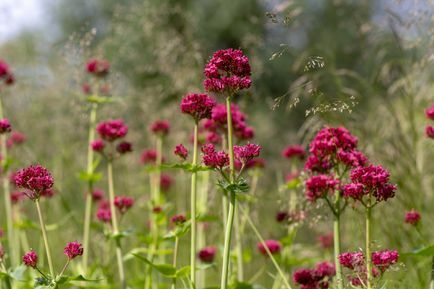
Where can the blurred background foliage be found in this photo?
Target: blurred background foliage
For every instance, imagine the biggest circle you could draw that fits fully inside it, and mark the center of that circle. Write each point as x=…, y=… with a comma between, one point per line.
x=367, y=65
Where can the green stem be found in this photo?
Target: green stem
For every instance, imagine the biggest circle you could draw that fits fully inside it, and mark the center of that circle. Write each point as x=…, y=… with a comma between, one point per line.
x=175, y=257
x=89, y=199
x=368, y=247
x=232, y=200
x=337, y=239
x=44, y=236
x=64, y=268
x=239, y=248
x=115, y=225
x=193, y=208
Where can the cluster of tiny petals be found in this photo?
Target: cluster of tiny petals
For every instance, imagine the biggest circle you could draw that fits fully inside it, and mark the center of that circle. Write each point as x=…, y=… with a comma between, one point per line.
x=148, y=156
x=429, y=131
x=326, y=241
x=5, y=73
x=319, y=186
x=246, y=152
x=123, y=203
x=98, y=67
x=227, y=71
x=97, y=145
x=5, y=126
x=112, y=130
x=124, y=147
x=198, y=105
x=294, y=151
x=16, y=138
x=384, y=259
x=17, y=197
x=160, y=127
x=30, y=259
x=352, y=260
x=273, y=246
x=73, y=249
x=34, y=178
x=178, y=219
x=213, y=158
x=412, y=217
x=429, y=112
x=207, y=254
x=166, y=182
x=317, y=278
x=97, y=194
x=103, y=213
x=181, y=151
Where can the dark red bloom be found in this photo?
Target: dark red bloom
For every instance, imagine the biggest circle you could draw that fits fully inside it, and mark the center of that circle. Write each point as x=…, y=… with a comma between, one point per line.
x=35, y=179
x=5, y=126
x=213, y=158
x=49, y=193
x=352, y=260
x=16, y=138
x=97, y=194
x=160, y=127
x=157, y=209
x=5, y=73
x=320, y=186
x=124, y=147
x=112, y=130
x=178, y=219
x=17, y=196
x=294, y=151
x=30, y=259
x=282, y=216
x=181, y=151
x=198, y=105
x=98, y=67
x=166, y=182
x=73, y=250
x=98, y=145
x=123, y=203
x=246, y=152
x=429, y=112
x=305, y=278
x=86, y=88
x=429, y=131
x=384, y=259
x=149, y=157
x=104, y=214
x=412, y=217
x=326, y=241
x=207, y=254
x=273, y=246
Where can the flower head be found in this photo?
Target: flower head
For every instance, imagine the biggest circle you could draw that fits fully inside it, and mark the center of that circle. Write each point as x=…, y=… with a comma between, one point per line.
x=326, y=241
x=124, y=147
x=35, y=179
x=227, y=72
x=246, y=152
x=148, y=156
x=166, y=182
x=5, y=126
x=97, y=194
x=213, y=158
x=181, y=151
x=17, y=197
x=412, y=217
x=160, y=127
x=273, y=246
x=16, y=138
x=352, y=260
x=324, y=269
x=103, y=213
x=384, y=259
x=282, y=216
x=207, y=254
x=48, y=193
x=112, y=130
x=429, y=131
x=294, y=151
x=429, y=112
x=98, y=67
x=123, y=203
x=30, y=259
x=198, y=105
x=320, y=186
x=97, y=145
x=178, y=219
x=5, y=73
x=73, y=250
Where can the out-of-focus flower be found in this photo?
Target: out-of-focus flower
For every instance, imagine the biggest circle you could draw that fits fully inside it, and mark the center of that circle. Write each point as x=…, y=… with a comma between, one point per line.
x=2, y=253
x=429, y=131
x=282, y=216
x=429, y=112
x=112, y=130
x=160, y=127
x=97, y=194
x=326, y=241
x=178, y=219
x=273, y=246
x=124, y=147
x=123, y=203
x=148, y=156
x=17, y=197
x=157, y=209
x=73, y=250
x=412, y=217
x=207, y=254
x=103, y=213
x=16, y=138
x=35, y=179
x=98, y=145
x=49, y=193
x=181, y=151
x=166, y=182
x=86, y=88
x=294, y=151
x=198, y=105
x=5, y=73
x=384, y=259
x=5, y=126
x=98, y=67
x=30, y=259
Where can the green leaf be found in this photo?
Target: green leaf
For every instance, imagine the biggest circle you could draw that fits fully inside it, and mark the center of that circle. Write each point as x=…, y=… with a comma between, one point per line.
x=240, y=186
x=166, y=270
x=292, y=184
x=179, y=231
x=183, y=272
x=427, y=251
x=89, y=177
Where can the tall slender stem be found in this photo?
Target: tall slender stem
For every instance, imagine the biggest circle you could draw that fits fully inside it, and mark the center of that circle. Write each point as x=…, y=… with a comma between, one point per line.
x=193, y=208
x=239, y=248
x=232, y=200
x=115, y=225
x=89, y=199
x=175, y=257
x=337, y=242
x=368, y=247
x=44, y=236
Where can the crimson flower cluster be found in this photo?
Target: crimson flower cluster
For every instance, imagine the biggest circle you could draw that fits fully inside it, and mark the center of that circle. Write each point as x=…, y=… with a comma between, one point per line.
x=320, y=186
x=30, y=259
x=246, y=153
x=103, y=213
x=412, y=217
x=111, y=131
x=214, y=159
x=207, y=254
x=97, y=195
x=149, y=156
x=16, y=138
x=429, y=130
x=5, y=73
x=198, y=105
x=73, y=250
x=181, y=151
x=123, y=203
x=317, y=278
x=326, y=241
x=228, y=71
x=355, y=261
x=178, y=219
x=166, y=182
x=35, y=179
x=294, y=151
x=160, y=127
x=273, y=246
x=5, y=126
x=98, y=67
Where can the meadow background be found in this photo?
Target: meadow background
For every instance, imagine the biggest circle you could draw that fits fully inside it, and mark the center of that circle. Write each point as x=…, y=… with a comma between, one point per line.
x=367, y=65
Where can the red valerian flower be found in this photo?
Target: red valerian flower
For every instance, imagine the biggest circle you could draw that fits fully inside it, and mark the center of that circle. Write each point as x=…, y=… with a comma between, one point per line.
x=352, y=260
x=73, y=250
x=326, y=241
x=353, y=190
x=166, y=182
x=98, y=145
x=305, y=278
x=198, y=105
x=148, y=156
x=246, y=152
x=429, y=112
x=213, y=137
x=160, y=127
x=35, y=179
x=325, y=269
x=319, y=186
x=124, y=147
x=282, y=216
x=207, y=254
x=384, y=259
x=157, y=209
x=30, y=259
x=112, y=130
x=16, y=138
x=104, y=214
x=429, y=131
x=123, y=203
x=178, y=219
x=227, y=72
x=86, y=88
x=181, y=151
x=97, y=194
x=317, y=278
x=98, y=67
x=5, y=126
x=213, y=158
x=17, y=196
x=5, y=73
x=273, y=246
x=294, y=151
x=49, y=193
x=412, y=217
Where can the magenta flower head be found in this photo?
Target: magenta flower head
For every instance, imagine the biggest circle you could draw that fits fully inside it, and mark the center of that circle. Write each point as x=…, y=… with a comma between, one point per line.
x=429, y=131
x=228, y=71
x=30, y=259
x=319, y=186
x=5, y=126
x=412, y=217
x=305, y=278
x=73, y=250
x=273, y=246
x=246, y=152
x=148, y=157
x=5, y=73
x=282, y=216
x=160, y=127
x=112, y=130
x=352, y=260
x=98, y=145
x=166, y=182
x=16, y=138
x=198, y=105
x=98, y=67
x=326, y=241
x=325, y=269
x=294, y=151
x=104, y=215
x=124, y=147
x=429, y=112
x=34, y=179
x=97, y=195
x=213, y=158
x=207, y=254
x=181, y=151
x=123, y=203
x=384, y=259
x=178, y=219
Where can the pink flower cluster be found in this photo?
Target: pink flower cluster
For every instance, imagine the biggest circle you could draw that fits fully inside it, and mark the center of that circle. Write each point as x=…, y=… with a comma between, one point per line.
x=429, y=130
x=5, y=126
x=123, y=203
x=30, y=259
x=17, y=197
x=35, y=179
x=16, y=138
x=370, y=180
x=273, y=246
x=149, y=156
x=103, y=213
x=198, y=105
x=5, y=73
x=326, y=241
x=207, y=254
x=228, y=71
x=294, y=151
x=213, y=158
x=166, y=182
x=112, y=130
x=178, y=219
x=160, y=127
x=98, y=67
x=181, y=151
x=246, y=153
x=317, y=278
x=73, y=250
x=320, y=186
x=412, y=217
